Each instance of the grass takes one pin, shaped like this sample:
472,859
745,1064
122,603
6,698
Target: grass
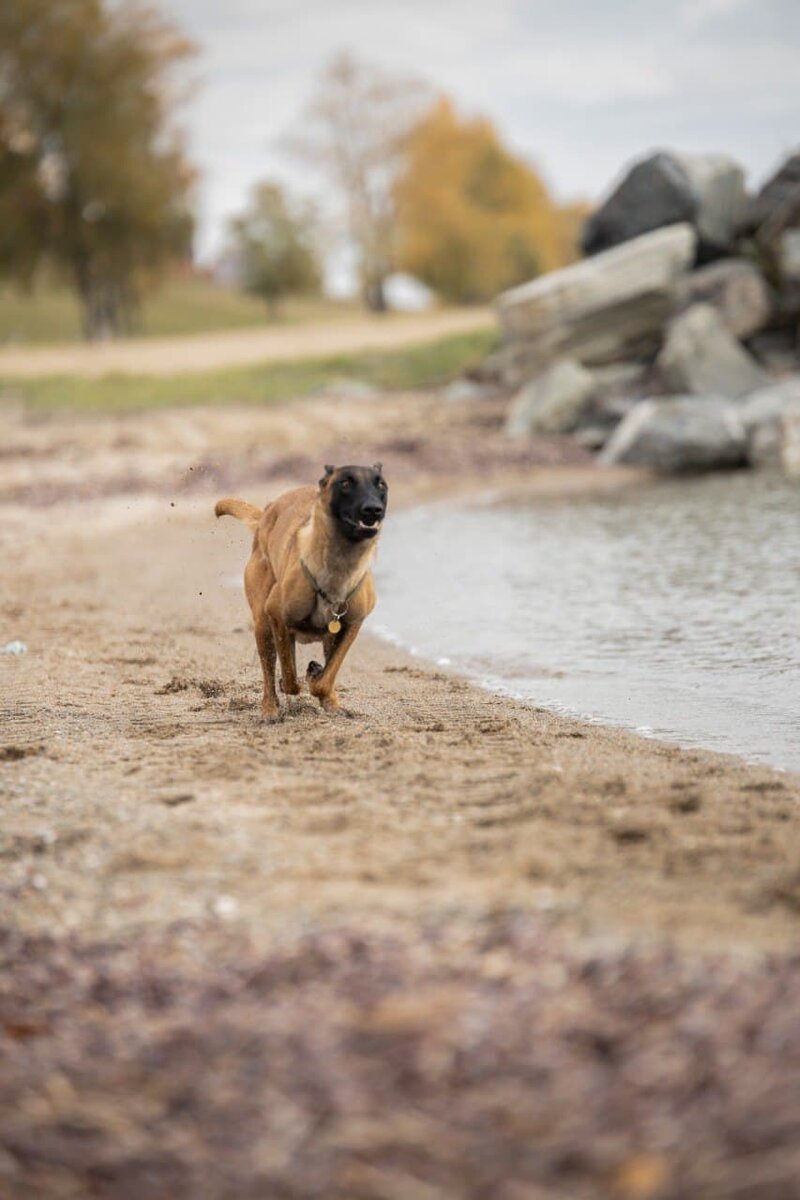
413,367
189,304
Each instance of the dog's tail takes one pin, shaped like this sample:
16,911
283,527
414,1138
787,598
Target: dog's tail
239,509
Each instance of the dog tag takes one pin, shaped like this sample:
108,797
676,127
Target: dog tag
334,626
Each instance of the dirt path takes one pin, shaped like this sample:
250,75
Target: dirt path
239,348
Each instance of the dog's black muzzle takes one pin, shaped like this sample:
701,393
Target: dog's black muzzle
366,525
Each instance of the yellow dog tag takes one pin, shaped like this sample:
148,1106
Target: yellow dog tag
334,626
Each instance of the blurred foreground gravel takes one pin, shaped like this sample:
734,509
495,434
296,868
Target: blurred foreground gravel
480,1060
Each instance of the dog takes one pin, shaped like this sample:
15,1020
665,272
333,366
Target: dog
309,578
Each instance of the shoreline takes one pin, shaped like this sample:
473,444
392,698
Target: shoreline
506,692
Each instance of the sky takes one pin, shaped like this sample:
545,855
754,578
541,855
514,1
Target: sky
579,87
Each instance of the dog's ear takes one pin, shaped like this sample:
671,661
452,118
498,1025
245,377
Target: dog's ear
377,468
328,472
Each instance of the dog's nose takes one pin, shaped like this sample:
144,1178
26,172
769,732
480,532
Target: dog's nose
371,513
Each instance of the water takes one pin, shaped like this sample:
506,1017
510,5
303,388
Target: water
672,609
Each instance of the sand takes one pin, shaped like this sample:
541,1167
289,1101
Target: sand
143,802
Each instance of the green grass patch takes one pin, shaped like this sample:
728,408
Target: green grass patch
414,367
181,305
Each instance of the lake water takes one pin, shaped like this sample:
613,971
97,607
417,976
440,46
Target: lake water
673,609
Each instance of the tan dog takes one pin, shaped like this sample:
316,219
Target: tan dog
308,578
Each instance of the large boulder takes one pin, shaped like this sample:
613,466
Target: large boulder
778,202
700,356
735,288
679,435
554,402
706,190
718,184
598,311
764,415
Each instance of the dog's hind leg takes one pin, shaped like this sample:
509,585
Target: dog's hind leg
259,581
322,685
293,656
265,644
284,644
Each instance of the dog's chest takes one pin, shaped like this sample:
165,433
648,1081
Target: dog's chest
337,586
321,614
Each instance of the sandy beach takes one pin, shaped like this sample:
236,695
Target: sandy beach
148,818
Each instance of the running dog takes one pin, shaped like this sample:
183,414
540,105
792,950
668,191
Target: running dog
308,578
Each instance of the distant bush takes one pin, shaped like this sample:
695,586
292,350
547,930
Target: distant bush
274,246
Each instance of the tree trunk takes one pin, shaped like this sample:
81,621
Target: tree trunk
101,305
375,295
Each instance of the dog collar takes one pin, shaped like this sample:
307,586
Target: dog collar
338,608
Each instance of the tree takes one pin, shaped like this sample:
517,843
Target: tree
473,218
93,179
355,129
274,245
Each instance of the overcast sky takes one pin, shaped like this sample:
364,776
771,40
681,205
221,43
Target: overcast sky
577,86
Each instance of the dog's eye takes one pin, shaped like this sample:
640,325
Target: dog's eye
345,485
379,483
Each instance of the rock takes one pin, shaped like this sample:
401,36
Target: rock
654,193
617,388
770,403
606,411
700,356
620,379
601,310
773,220
15,648
719,187
786,258
681,434
790,448
553,402
788,255
763,415
461,391
667,188
777,348
735,288
592,437
776,444
765,445
778,202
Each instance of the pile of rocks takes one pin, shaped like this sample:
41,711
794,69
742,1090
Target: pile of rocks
675,343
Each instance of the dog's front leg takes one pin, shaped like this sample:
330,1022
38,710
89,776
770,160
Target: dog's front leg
322,686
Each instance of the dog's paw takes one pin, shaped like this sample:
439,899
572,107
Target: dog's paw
270,716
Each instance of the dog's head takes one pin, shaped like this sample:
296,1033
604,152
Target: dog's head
356,498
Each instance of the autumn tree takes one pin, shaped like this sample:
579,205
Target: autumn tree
355,129
94,184
274,245
473,218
